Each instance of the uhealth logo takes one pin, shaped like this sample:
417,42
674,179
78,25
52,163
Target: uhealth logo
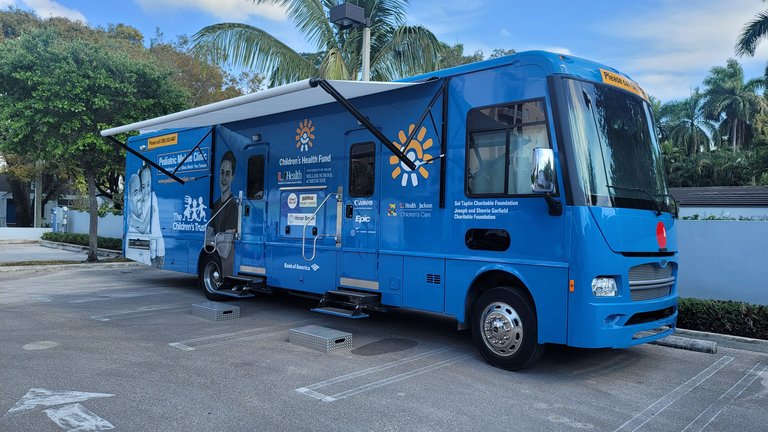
416,152
305,135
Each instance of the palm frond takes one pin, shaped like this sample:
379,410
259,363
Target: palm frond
249,47
412,50
752,34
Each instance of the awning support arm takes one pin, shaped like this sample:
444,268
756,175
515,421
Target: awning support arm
196,147
117,142
325,85
426,112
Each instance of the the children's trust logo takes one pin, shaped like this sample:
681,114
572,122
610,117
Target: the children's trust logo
194,209
305,135
415,151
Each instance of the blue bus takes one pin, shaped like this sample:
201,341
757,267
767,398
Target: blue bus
524,196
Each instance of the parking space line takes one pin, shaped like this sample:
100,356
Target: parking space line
139,311
311,390
225,338
725,399
660,405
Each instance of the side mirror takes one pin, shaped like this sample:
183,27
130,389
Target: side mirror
543,171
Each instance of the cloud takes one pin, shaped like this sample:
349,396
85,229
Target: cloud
673,44
229,10
505,33
5,3
49,8
450,17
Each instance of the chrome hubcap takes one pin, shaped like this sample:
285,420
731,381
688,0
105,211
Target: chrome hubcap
502,329
212,277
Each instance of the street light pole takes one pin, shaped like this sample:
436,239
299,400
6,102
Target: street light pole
347,15
366,53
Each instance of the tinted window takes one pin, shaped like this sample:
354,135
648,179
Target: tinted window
256,177
362,169
500,143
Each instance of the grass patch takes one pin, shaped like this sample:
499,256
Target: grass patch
61,262
724,317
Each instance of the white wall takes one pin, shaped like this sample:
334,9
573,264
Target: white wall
728,212
14,233
109,226
723,260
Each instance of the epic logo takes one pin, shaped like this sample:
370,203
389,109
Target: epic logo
362,219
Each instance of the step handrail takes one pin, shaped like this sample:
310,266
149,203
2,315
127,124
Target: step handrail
314,218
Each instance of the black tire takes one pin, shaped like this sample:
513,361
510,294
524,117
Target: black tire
209,277
505,329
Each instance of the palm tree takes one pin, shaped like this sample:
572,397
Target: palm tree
397,50
684,124
731,100
752,34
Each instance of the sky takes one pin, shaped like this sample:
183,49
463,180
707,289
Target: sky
667,46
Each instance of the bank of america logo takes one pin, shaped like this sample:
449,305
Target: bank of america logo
315,267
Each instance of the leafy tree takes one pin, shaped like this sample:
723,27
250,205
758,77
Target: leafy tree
453,55
684,124
501,52
728,98
752,34
397,50
57,94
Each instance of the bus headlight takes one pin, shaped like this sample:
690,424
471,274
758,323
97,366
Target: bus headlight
604,287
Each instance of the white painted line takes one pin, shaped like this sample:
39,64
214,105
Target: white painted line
139,311
45,397
103,297
310,390
660,405
705,418
375,369
242,335
77,418
398,377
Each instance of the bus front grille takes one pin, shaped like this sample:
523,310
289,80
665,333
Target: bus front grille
650,281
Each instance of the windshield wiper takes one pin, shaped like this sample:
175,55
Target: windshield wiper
656,205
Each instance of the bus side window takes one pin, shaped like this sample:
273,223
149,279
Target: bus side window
256,177
362,169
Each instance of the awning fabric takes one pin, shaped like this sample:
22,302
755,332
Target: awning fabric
289,97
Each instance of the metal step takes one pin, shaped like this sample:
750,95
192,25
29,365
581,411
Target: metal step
345,313
348,304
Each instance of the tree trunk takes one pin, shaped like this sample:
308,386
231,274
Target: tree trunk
93,210
733,140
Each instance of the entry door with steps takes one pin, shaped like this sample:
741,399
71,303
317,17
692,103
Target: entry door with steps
360,227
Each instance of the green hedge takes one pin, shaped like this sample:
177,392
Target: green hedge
82,240
725,317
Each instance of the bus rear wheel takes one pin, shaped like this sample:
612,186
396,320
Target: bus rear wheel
210,277
505,330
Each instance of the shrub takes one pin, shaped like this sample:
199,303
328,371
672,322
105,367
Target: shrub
725,317
82,240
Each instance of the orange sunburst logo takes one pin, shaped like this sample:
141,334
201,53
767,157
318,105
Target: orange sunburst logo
305,135
416,152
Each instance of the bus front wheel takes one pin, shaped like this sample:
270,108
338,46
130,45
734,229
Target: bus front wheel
210,277
505,330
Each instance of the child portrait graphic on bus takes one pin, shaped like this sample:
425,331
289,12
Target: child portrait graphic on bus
144,220
223,223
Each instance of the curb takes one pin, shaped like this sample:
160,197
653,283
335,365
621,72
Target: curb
78,248
746,340
78,266
18,241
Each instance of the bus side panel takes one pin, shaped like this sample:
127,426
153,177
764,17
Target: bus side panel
165,220
548,286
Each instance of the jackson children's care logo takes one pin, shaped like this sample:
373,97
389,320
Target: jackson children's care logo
416,152
305,135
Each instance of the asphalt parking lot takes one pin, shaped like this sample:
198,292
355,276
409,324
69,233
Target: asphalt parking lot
118,348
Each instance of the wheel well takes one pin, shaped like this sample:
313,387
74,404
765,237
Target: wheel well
492,279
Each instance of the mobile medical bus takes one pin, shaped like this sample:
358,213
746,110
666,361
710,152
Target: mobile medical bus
524,196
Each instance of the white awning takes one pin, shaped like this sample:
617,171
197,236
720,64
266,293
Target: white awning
289,97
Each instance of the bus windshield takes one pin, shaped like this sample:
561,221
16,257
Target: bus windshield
616,151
